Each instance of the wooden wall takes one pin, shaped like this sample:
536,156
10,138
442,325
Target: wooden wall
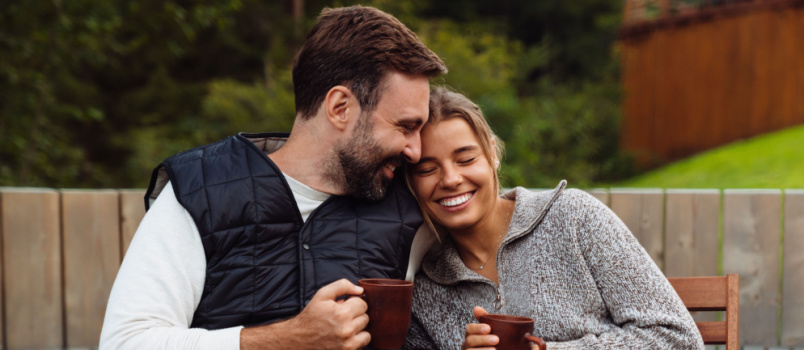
706,78
60,251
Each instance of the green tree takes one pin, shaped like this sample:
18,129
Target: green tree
94,94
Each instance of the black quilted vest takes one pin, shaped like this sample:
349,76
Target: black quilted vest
263,262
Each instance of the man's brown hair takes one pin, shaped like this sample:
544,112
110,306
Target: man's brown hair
357,47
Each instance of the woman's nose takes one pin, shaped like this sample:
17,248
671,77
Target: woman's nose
451,178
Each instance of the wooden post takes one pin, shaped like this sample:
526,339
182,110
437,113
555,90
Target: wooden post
91,259
751,233
793,270
642,211
31,260
691,236
132,209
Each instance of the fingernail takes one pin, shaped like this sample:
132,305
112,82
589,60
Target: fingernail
493,339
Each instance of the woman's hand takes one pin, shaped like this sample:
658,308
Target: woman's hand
477,334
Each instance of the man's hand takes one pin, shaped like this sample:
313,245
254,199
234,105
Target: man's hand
325,323
477,334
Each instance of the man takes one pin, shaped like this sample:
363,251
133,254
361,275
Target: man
271,232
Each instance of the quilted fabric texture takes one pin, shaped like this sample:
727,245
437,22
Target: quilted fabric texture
263,261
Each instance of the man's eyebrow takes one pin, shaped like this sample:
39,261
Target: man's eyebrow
415,121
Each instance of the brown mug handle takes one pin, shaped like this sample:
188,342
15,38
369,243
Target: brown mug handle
534,339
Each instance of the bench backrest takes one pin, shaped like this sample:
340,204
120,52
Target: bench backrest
717,293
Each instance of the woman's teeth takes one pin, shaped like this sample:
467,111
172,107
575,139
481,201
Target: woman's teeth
456,200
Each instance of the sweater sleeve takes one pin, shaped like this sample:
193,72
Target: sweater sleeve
640,300
159,286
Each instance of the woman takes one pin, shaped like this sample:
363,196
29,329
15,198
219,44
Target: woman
560,257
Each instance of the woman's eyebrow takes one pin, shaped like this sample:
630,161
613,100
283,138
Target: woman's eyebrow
465,149
456,151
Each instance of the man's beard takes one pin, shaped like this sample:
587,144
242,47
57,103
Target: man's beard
361,161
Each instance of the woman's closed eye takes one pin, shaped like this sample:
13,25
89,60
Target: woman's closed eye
468,160
424,170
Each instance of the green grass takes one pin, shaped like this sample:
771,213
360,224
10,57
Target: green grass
773,160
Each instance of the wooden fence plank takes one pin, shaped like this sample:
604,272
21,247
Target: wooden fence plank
751,234
132,209
32,268
91,229
641,210
691,232
723,78
691,236
601,195
793,270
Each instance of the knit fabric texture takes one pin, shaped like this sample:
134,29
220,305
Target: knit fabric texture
568,262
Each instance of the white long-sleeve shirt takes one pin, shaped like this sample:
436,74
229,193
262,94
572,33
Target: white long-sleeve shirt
161,280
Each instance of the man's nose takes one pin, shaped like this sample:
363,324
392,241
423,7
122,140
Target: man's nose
413,149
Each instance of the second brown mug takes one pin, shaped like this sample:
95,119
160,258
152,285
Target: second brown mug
514,332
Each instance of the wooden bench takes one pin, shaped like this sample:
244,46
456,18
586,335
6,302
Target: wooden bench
718,293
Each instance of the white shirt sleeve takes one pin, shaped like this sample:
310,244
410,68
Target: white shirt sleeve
159,286
422,241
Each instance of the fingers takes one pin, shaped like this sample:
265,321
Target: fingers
480,341
356,304
477,329
355,334
336,289
479,311
359,341
361,322
477,336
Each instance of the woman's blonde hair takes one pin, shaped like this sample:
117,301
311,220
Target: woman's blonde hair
446,104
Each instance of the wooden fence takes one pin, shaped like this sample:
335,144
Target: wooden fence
707,77
61,251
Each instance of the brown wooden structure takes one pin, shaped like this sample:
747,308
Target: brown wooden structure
699,77
60,251
713,293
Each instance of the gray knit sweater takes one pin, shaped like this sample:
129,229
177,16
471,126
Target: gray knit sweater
568,262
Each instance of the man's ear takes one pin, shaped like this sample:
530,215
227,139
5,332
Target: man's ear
339,106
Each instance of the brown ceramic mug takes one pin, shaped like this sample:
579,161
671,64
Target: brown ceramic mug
389,302
514,332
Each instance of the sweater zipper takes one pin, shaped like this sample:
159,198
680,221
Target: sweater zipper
498,303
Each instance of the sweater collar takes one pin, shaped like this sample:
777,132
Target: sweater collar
443,264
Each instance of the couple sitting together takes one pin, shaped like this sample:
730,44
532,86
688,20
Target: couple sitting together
257,241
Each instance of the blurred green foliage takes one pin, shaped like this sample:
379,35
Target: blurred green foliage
771,160
95,94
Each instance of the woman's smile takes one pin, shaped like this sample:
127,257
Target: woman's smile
456,203
454,176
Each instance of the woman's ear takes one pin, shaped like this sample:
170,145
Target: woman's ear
339,105
496,160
